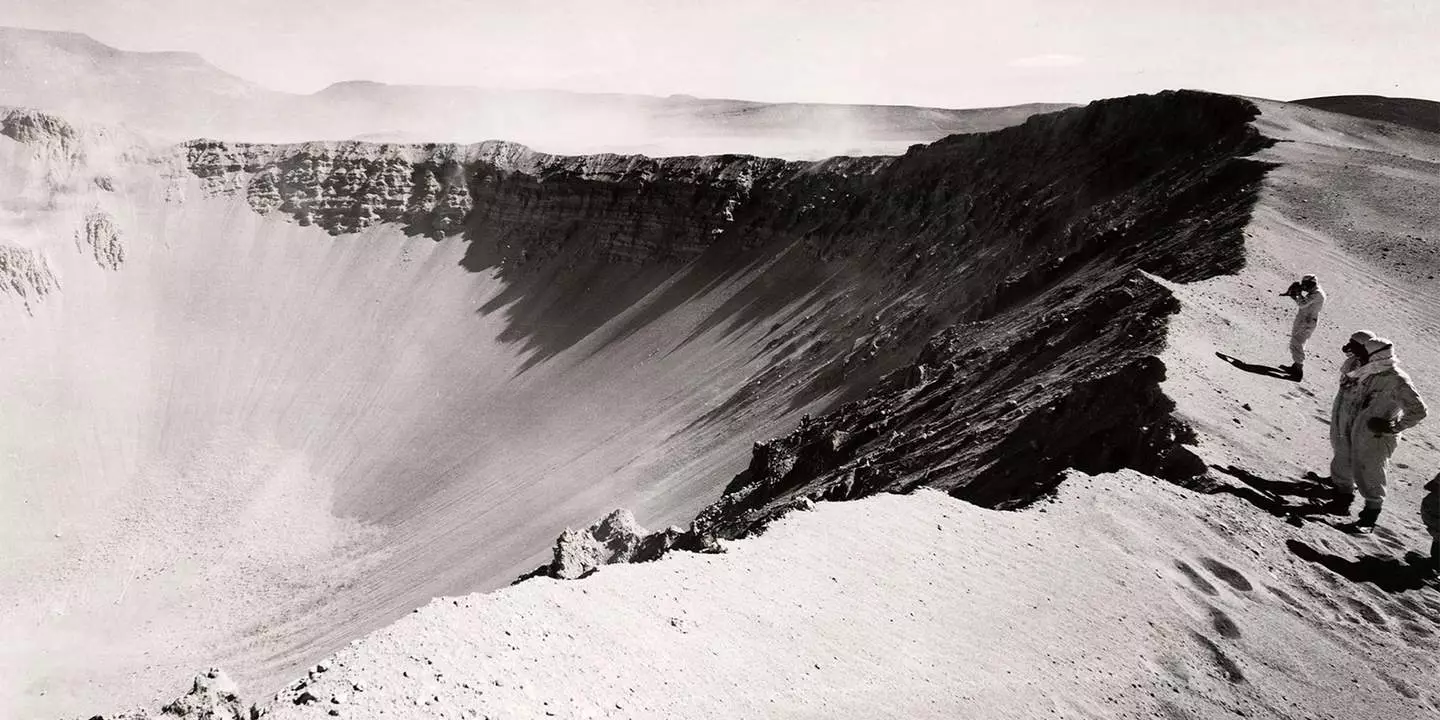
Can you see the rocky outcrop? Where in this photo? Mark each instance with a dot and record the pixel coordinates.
(50, 134)
(530, 205)
(993, 412)
(25, 275)
(213, 696)
(102, 238)
(616, 538)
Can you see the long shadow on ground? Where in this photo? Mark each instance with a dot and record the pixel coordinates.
(1270, 495)
(1265, 370)
(1388, 573)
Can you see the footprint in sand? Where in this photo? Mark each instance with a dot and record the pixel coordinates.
(1400, 686)
(1370, 614)
(1195, 578)
(1223, 624)
(1229, 669)
(1231, 576)
(1323, 598)
(1171, 711)
(1397, 609)
(1388, 538)
(1289, 600)
(1428, 611)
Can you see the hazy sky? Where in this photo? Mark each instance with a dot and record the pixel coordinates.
(942, 52)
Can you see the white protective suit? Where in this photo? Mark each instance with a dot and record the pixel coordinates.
(1306, 318)
(1384, 392)
(1342, 415)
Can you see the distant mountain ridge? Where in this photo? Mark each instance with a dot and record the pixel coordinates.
(1410, 112)
(179, 96)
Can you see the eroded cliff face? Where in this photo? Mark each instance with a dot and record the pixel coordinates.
(531, 205)
(25, 275)
(102, 239)
(48, 133)
(982, 310)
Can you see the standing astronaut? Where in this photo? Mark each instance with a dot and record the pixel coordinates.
(1307, 294)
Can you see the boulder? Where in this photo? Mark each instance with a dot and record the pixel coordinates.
(213, 696)
(616, 538)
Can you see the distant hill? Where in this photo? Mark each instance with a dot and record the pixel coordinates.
(1410, 112)
(180, 96)
(166, 93)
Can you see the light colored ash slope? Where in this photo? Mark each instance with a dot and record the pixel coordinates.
(275, 417)
(1124, 597)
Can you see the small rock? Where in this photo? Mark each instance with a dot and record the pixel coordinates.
(1247, 406)
(335, 712)
(339, 698)
(306, 698)
(358, 686)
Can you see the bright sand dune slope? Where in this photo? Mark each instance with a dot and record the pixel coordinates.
(1124, 597)
(1127, 597)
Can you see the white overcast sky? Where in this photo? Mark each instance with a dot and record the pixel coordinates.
(926, 52)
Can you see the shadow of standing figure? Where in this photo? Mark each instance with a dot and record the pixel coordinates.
(1270, 495)
(1265, 370)
(1388, 573)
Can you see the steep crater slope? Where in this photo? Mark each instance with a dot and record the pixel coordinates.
(1410, 112)
(416, 364)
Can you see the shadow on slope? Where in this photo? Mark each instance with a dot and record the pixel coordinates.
(882, 253)
(1410, 112)
(1056, 367)
(1020, 247)
(1271, 495)
(1390, 574)
(1266, 370)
